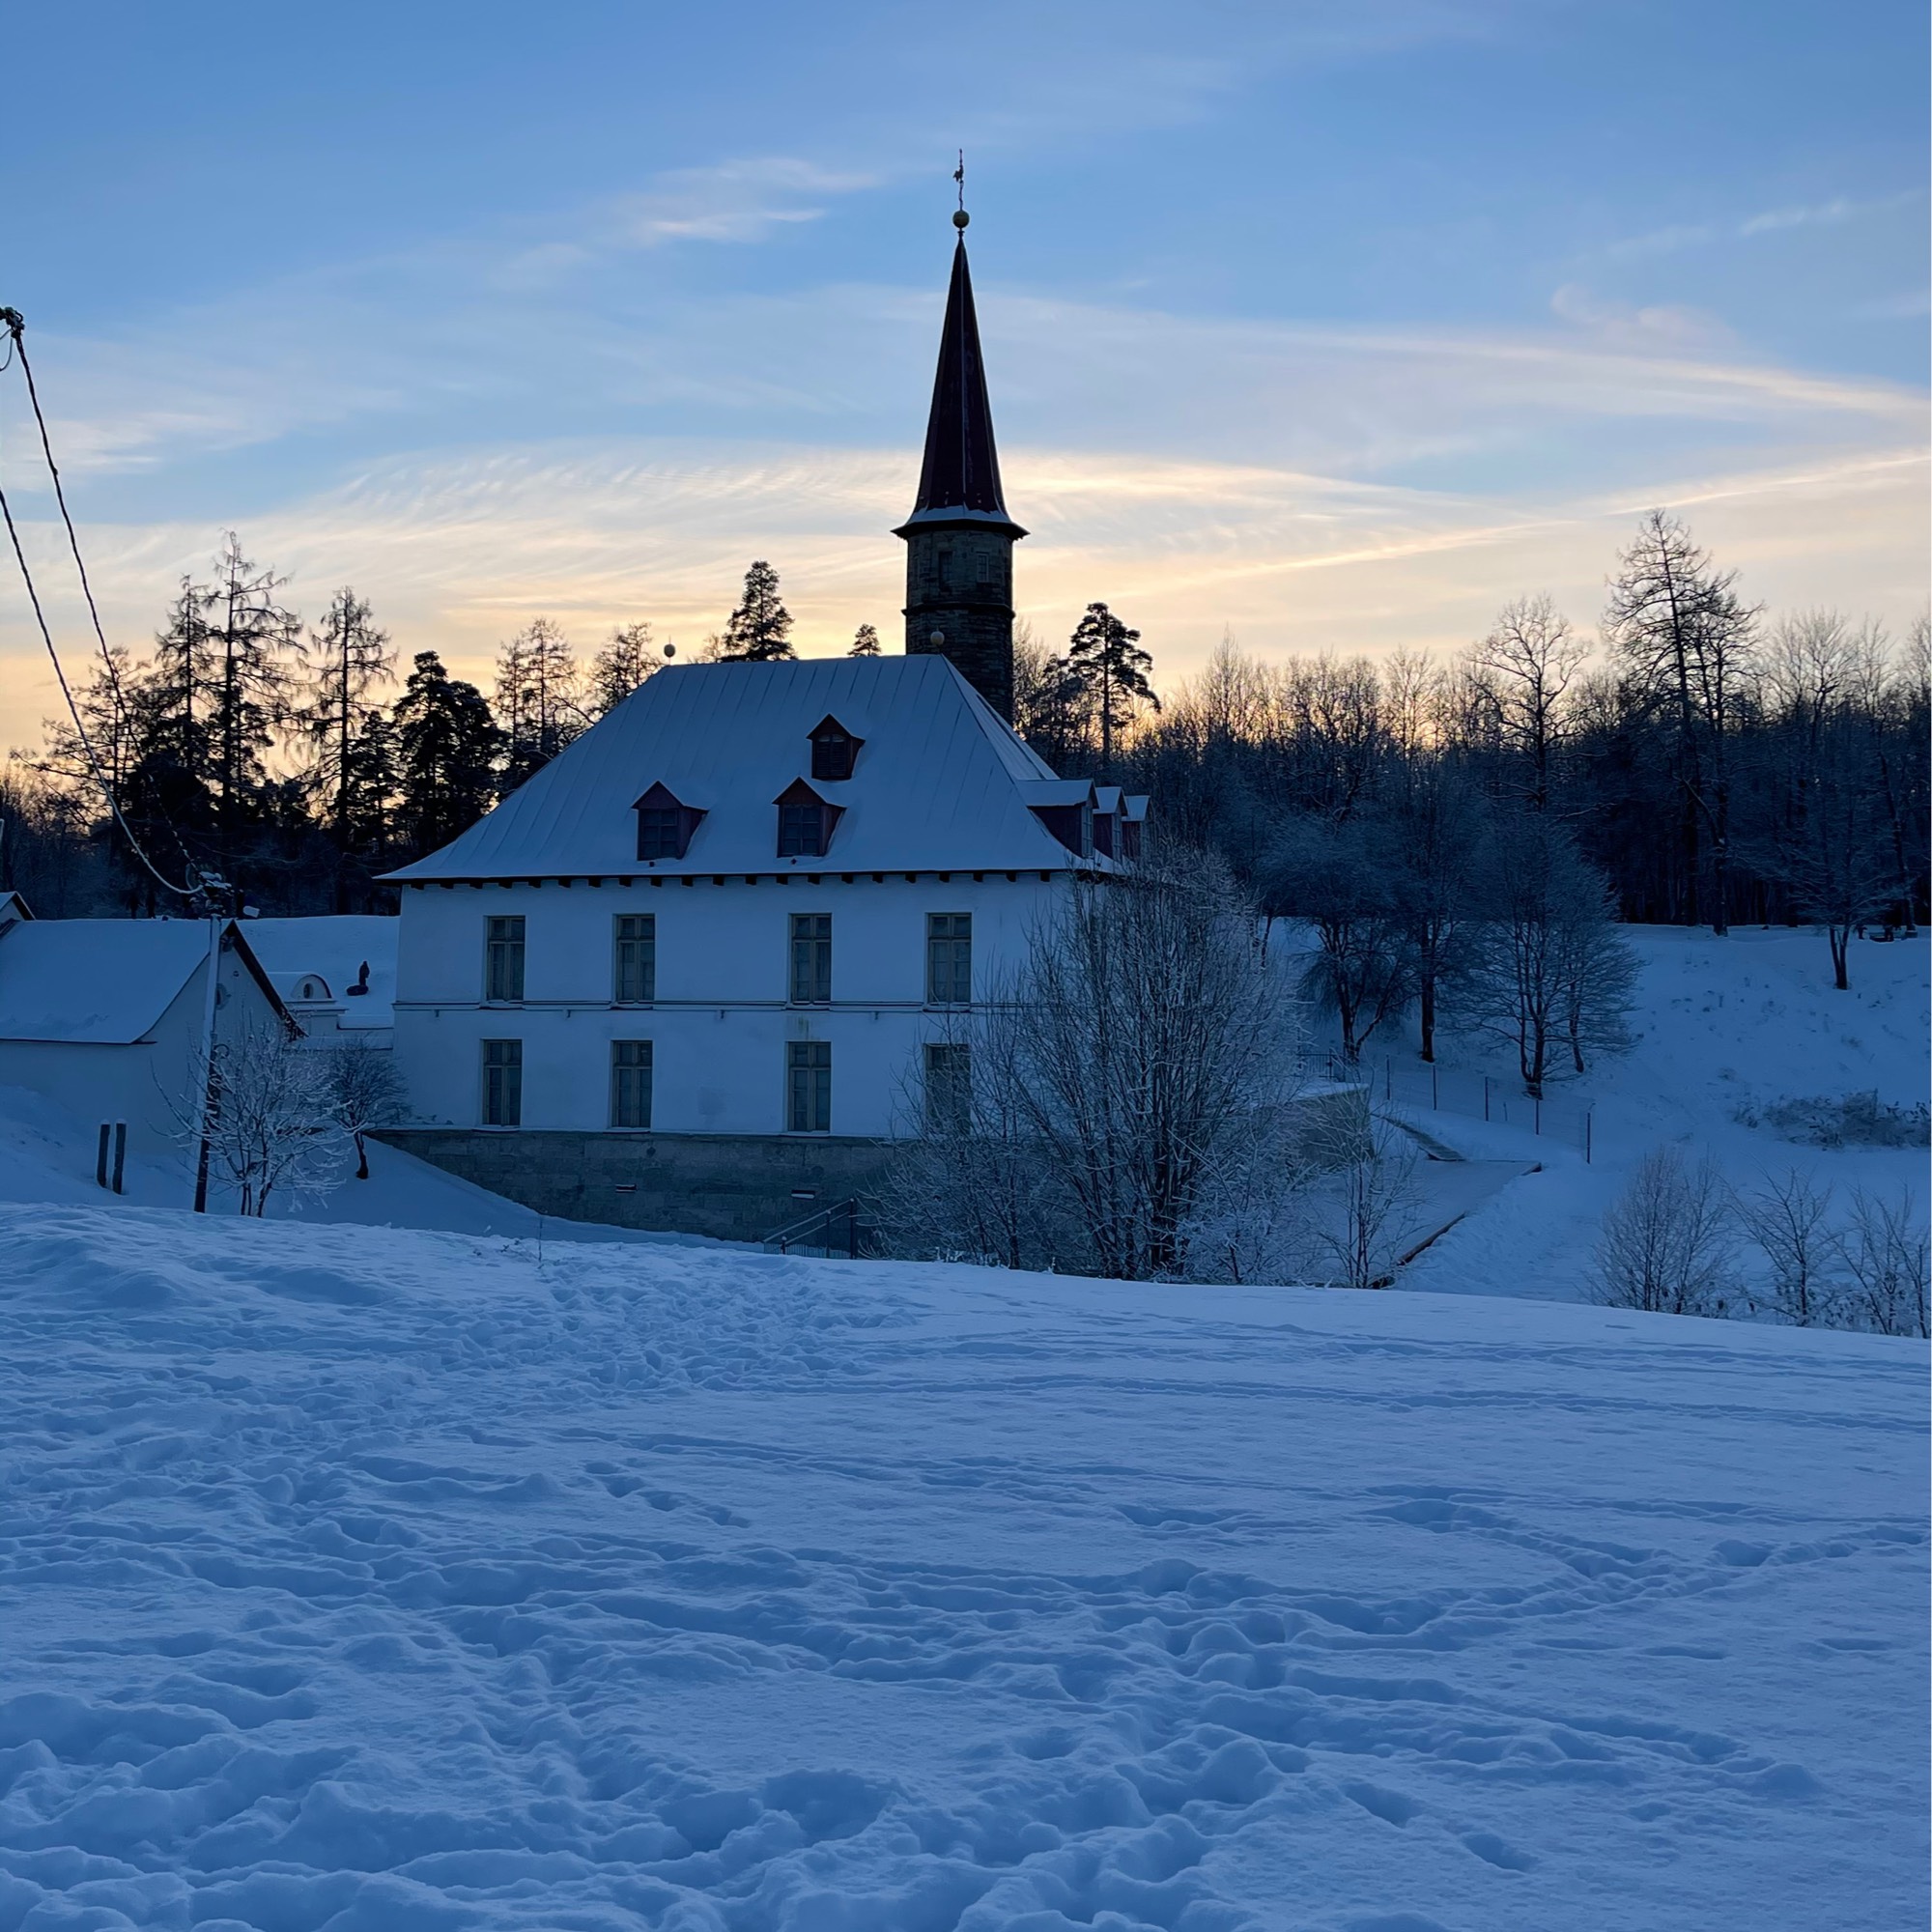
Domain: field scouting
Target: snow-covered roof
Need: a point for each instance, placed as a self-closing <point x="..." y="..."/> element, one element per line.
<point x="101" y="982"/>
<point x="13" y="906"/>
<point x="329" y="951"/>
<point x="942" y="784"/>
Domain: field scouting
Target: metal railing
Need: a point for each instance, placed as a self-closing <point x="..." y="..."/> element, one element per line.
<point x="834" y="1231"/>
<point x="1476" y="1097"/>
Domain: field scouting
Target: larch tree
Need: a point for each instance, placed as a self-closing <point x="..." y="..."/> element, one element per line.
<point x="760" y="628"/>
<point x="1688" y="641"/>
<point x="536" y="699"/>
<point x="347" y="657"/>
<point x="627" y="658"/>
<point x="251" y="638"/>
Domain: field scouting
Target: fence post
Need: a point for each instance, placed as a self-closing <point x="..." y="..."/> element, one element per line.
<point x="1589" y="1125"/>
<point x="1388" y="1082"/>
<point x="1434" y="1087"/>
<point x="1536" y="1118"/>
<point x="1486" y="1096"/>
<point x="101" y="1156"/>
<point x="120" y="1154"/>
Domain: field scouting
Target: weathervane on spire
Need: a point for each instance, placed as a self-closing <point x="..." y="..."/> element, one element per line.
<point x="961" y="218"/>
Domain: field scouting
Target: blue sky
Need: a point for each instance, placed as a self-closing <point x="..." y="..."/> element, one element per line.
<point x="1334" y="325"/>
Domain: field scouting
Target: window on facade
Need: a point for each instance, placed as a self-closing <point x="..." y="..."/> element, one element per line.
<point x="948" y="958"/>
<point x="801" y="831"/>
<point x="635" y="974"/>
<point x="630" y="1083"/>
<point x="504" y="958"/>
<point x="811" y="958"/>
<point x="503" y="1082"/>
<point x="949" y="1088"/>
<point x="984" y="563"/>
<point x="808" y="1086"/>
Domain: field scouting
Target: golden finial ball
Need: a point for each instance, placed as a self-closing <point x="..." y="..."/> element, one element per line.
<point x="960" y="218"/>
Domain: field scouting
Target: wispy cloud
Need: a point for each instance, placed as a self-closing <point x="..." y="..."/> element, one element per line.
<point x="1679" y="235"/>
<point x="458" y="551"/>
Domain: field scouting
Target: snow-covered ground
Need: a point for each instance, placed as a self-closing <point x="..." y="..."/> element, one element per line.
<point x="358" y="1578"/>
<point x="1722" y="1025"/>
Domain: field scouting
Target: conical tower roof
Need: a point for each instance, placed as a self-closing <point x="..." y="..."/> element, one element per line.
<point x="959" y="480"/>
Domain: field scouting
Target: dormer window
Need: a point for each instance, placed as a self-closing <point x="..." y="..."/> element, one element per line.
<point x="665" y="824"/>
<point x="833" y="751"/>
<point x="1066" y="807"/>
<point x="805" y="822"/>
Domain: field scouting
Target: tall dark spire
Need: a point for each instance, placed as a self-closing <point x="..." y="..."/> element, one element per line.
<point x="962" y="471"/>
<point x="959" y="539"/>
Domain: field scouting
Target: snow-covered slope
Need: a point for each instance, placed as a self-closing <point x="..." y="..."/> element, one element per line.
<point x="45" y="1154"/>
<point x="1722" y="1026"/>
<point x="357" y="1580"/>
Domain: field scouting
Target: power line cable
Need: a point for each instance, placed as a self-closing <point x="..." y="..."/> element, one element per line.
<point x="11" y="321"/>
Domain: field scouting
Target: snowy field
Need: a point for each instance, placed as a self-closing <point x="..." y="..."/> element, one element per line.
<point x="357" y="1580"/>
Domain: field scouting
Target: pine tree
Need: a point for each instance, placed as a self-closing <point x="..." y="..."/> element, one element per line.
<point x="620" y="668"/>
<point x="1105" y="660"/>
<point x="536" y="700"/>
<point x="446" y="747"/>
<point x="346" y="657"/>
<point x="760" y="627"/>
<point x="864" y="642"/>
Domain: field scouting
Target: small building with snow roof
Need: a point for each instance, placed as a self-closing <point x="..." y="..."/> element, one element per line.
<point x="112" y="1018"/>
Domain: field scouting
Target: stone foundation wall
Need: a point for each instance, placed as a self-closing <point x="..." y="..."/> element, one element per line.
<point x="735" y="1187"/>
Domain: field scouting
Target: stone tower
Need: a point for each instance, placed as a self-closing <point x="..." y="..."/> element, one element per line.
<point x="960" y="540"/>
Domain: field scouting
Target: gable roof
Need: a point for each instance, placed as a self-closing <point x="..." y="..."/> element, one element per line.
<point x="103" y="982"/>
<point x="942" y="784"/>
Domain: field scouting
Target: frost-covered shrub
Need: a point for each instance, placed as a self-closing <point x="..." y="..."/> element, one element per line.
<point x="1841" y="1121"/>
<point x="1664" y="1244"/>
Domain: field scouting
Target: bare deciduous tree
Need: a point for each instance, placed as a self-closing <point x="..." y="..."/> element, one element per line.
<point x="365" y="1092"/>
<point x="267" y="1117"/>
<point x="1371" y="1224"/>
<point x="1663" y="1245"/>
<point x="1336" y="876"/>
<point x="1521" y="670"/>
<point x="1886" y="1254"/>
<point x="1786" y="1218"/>
<point x="1115" y="1082"/>
<point x="1550" y="966"/>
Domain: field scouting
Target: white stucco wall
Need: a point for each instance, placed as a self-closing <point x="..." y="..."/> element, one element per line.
<point x="720" y="1021"/>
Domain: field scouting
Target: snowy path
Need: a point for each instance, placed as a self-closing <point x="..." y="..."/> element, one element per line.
<point x="359" y="1580"/>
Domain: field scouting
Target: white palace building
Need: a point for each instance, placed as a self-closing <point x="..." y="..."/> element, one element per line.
<point x="696" y="970"/>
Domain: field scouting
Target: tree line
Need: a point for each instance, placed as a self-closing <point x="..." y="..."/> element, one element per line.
<point x="301" y="761"/>
<point x="1699" y="762"/>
